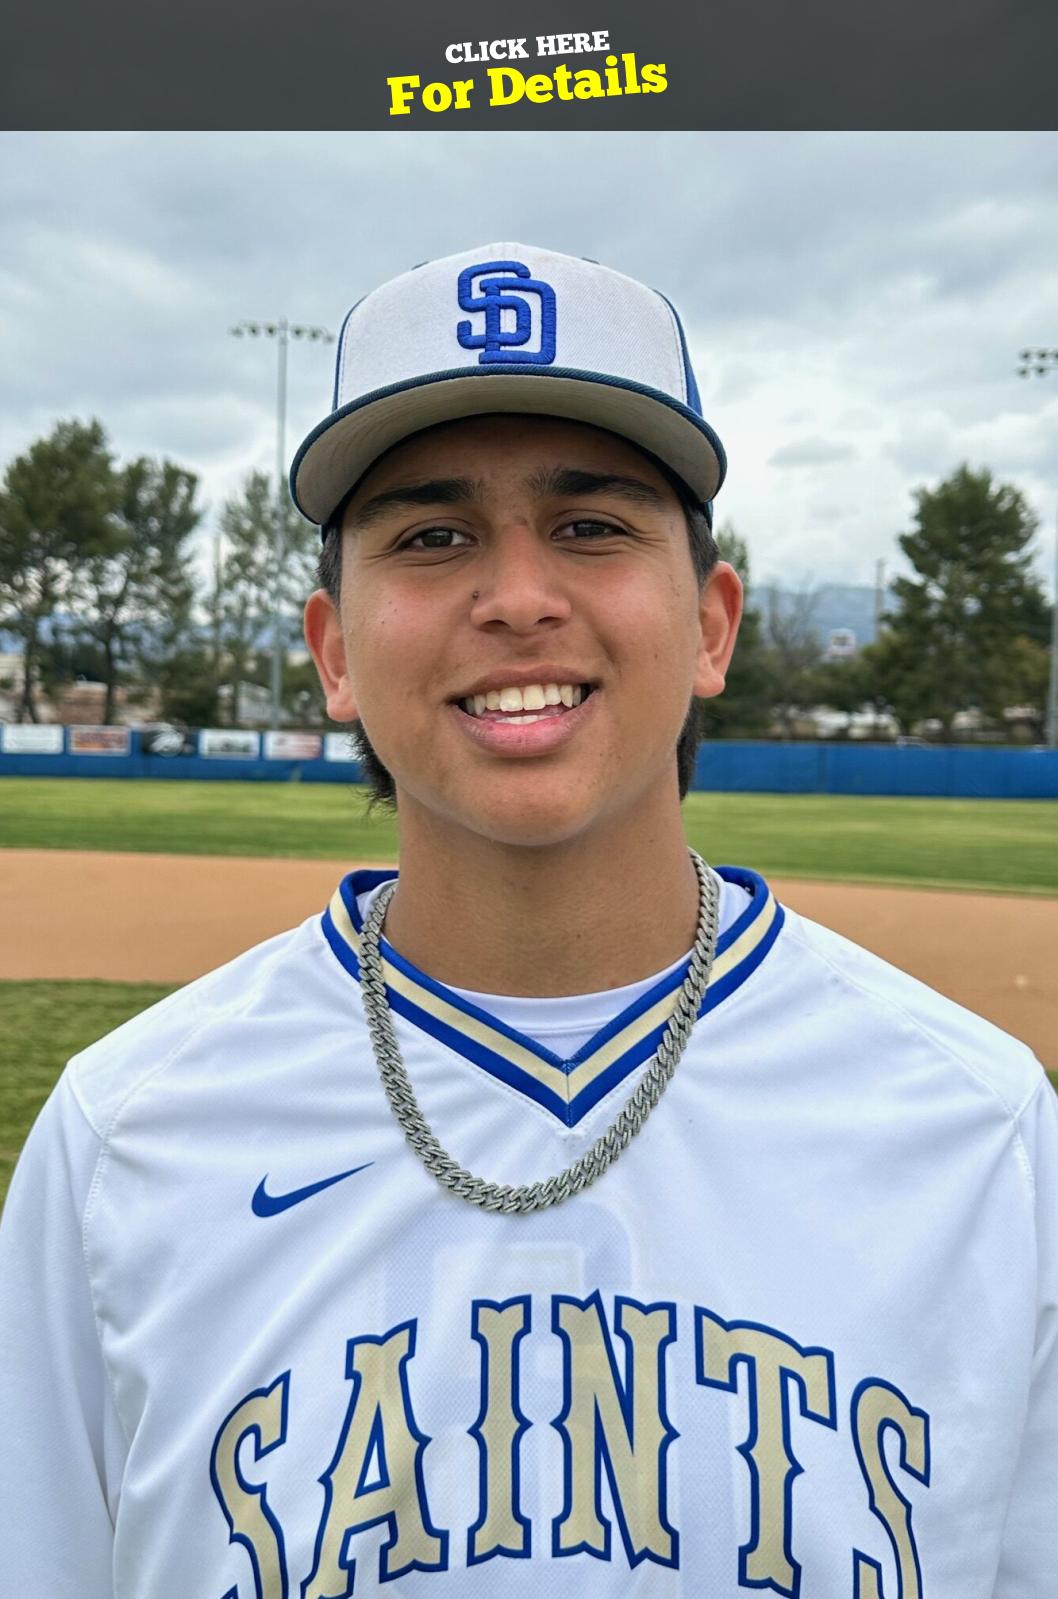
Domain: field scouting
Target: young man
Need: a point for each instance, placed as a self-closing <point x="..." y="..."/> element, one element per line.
<point x="561" y="1217"/>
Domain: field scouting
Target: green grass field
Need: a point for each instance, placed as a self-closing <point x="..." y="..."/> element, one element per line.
<point x="967" y="844"/>
<point x="41" y="1026"/>
<point x="1007" y="845"/>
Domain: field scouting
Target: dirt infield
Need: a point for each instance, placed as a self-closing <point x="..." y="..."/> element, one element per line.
<point x="168" y="918"/>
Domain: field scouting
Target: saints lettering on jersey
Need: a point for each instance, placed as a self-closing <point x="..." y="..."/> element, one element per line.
<point x="609" y="1500"/>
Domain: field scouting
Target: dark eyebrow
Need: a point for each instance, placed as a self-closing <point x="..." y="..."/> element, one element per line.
<point x="560" y="482"/>
<point x="569" y="482"/>
<point x="434" y="491"/>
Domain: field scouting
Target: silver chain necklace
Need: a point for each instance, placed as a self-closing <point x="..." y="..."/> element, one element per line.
<point x="606" y="1148"/>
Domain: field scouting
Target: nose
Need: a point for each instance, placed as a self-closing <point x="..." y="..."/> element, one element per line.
<point x="520" y="583"/>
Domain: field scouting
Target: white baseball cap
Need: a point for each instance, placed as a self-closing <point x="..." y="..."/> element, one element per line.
<point x="514" y="328"/>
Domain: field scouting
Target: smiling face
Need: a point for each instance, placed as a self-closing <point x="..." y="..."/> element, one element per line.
<point x="521" y="628"/>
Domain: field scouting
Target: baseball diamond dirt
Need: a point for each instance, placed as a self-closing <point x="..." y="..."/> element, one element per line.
<point x="165" y="918"/>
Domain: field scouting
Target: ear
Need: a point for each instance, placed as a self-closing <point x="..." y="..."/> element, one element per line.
<point x="326" y="642"/>
<point x="719" y="613"/>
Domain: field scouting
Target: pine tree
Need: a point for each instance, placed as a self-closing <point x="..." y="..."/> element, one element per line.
<point x="744" y="708"/>
<point x="137" y="589"/>
<point x="57" y="507"/>
<point x="269" y="561"/>
<point x="969" y="629"/>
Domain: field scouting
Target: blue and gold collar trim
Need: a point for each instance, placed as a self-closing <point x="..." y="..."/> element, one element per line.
<point x="567" y="1088"/>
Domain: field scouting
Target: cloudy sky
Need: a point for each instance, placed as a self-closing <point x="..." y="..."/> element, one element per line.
<point x="854" y="303"/>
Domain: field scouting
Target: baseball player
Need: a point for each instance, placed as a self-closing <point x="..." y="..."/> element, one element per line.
<point x="560" y="1216"/>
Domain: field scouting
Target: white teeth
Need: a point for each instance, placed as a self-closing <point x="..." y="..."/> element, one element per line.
<point x="522" y="721"/>
<point x="532" y="697"/>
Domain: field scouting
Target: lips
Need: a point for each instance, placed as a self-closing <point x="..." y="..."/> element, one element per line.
<point x="526" y="732"/>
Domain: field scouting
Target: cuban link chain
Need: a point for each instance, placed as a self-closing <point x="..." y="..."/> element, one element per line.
<point x="587" y="1168"/>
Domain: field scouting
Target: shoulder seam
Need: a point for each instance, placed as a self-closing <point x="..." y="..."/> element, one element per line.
<point x="97" y="1182"/>
<point x="1020" y="1153"/>
<point x="75" y="1094"/>
<point x="102" y="1133"/>
<point x="1042" y="1087"/>
<point x="190" y="997"/>
<point x="795" y="924"/>
<point x="103" y="1361"/>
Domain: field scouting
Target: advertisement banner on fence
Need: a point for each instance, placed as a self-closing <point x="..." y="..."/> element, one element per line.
<point x="230" y="743"/>
<point x="99" y="741"/>
<point x="338" y="747"/>
<point x="292" y="746"/>
<point x="165" y="740"/>
<point x="30" y="738"/>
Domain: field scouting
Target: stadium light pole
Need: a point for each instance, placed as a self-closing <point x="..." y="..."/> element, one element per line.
<point x="1037" y="363"/>
<point x="282" y="331"/>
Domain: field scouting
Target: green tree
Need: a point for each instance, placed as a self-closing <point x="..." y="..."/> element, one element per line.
<point x="792" y="653"/>
<point x="1022" y="678"/>
<point x="242" y="602"/>
<point x="962" y="630"/>
<point x="268" y="564"/>
<point x="187" y="684"/>
<point x="303" y="697"/>
<point x="138" y="589"/>
<point x="744" y="708"/>
<point x="841" y="684"/>
<point x="57" y="502"/>
<point x="850" y="684"/>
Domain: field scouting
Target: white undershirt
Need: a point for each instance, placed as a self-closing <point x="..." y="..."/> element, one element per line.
<point x="565" y="1023"/>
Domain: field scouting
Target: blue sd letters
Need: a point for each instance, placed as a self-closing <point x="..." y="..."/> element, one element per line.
<point x="499" y="343"/>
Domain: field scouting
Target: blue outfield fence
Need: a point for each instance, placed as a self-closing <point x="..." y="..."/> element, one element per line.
<point x="727" y="766"/>
<point x="139" y="753"/>
<point x="950" y="772"/>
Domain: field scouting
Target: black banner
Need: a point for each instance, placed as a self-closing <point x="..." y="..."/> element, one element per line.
<point x="165" y="740"/>
<point x="777" y="64"/>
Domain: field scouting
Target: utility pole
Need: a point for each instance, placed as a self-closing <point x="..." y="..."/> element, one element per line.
<point x="879" y="594"/>
<point x="218" y="568"/>
<point x="1037" y="363"/>
<point x="282" y="331"/>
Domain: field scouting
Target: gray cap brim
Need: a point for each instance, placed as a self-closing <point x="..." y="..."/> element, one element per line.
<point x="340" y="450"/>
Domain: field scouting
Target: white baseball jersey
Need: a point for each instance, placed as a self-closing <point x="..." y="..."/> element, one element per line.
<point x="801" y="1338"/>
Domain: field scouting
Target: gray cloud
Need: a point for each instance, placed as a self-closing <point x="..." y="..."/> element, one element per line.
<point x="811" y="452"/>
<point x="852" y="302"/>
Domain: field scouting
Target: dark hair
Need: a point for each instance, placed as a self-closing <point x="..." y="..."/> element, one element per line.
<point x="704" y="555"/>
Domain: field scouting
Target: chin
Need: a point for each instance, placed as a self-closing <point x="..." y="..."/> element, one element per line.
<point x="533" y="815"/>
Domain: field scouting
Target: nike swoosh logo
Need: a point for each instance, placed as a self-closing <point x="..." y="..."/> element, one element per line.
<point x="265" y="1204"/>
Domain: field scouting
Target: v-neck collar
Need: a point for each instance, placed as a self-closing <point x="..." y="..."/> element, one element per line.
<point x="567" y="1088"/>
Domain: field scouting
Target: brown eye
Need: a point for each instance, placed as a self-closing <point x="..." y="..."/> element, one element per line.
<point x="585" y="528"/>
<point x="434" y="538"/>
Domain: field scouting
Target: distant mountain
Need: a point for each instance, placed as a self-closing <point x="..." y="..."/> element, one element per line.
<point x="62" y="622"/>
<point x="837" y="606"/>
